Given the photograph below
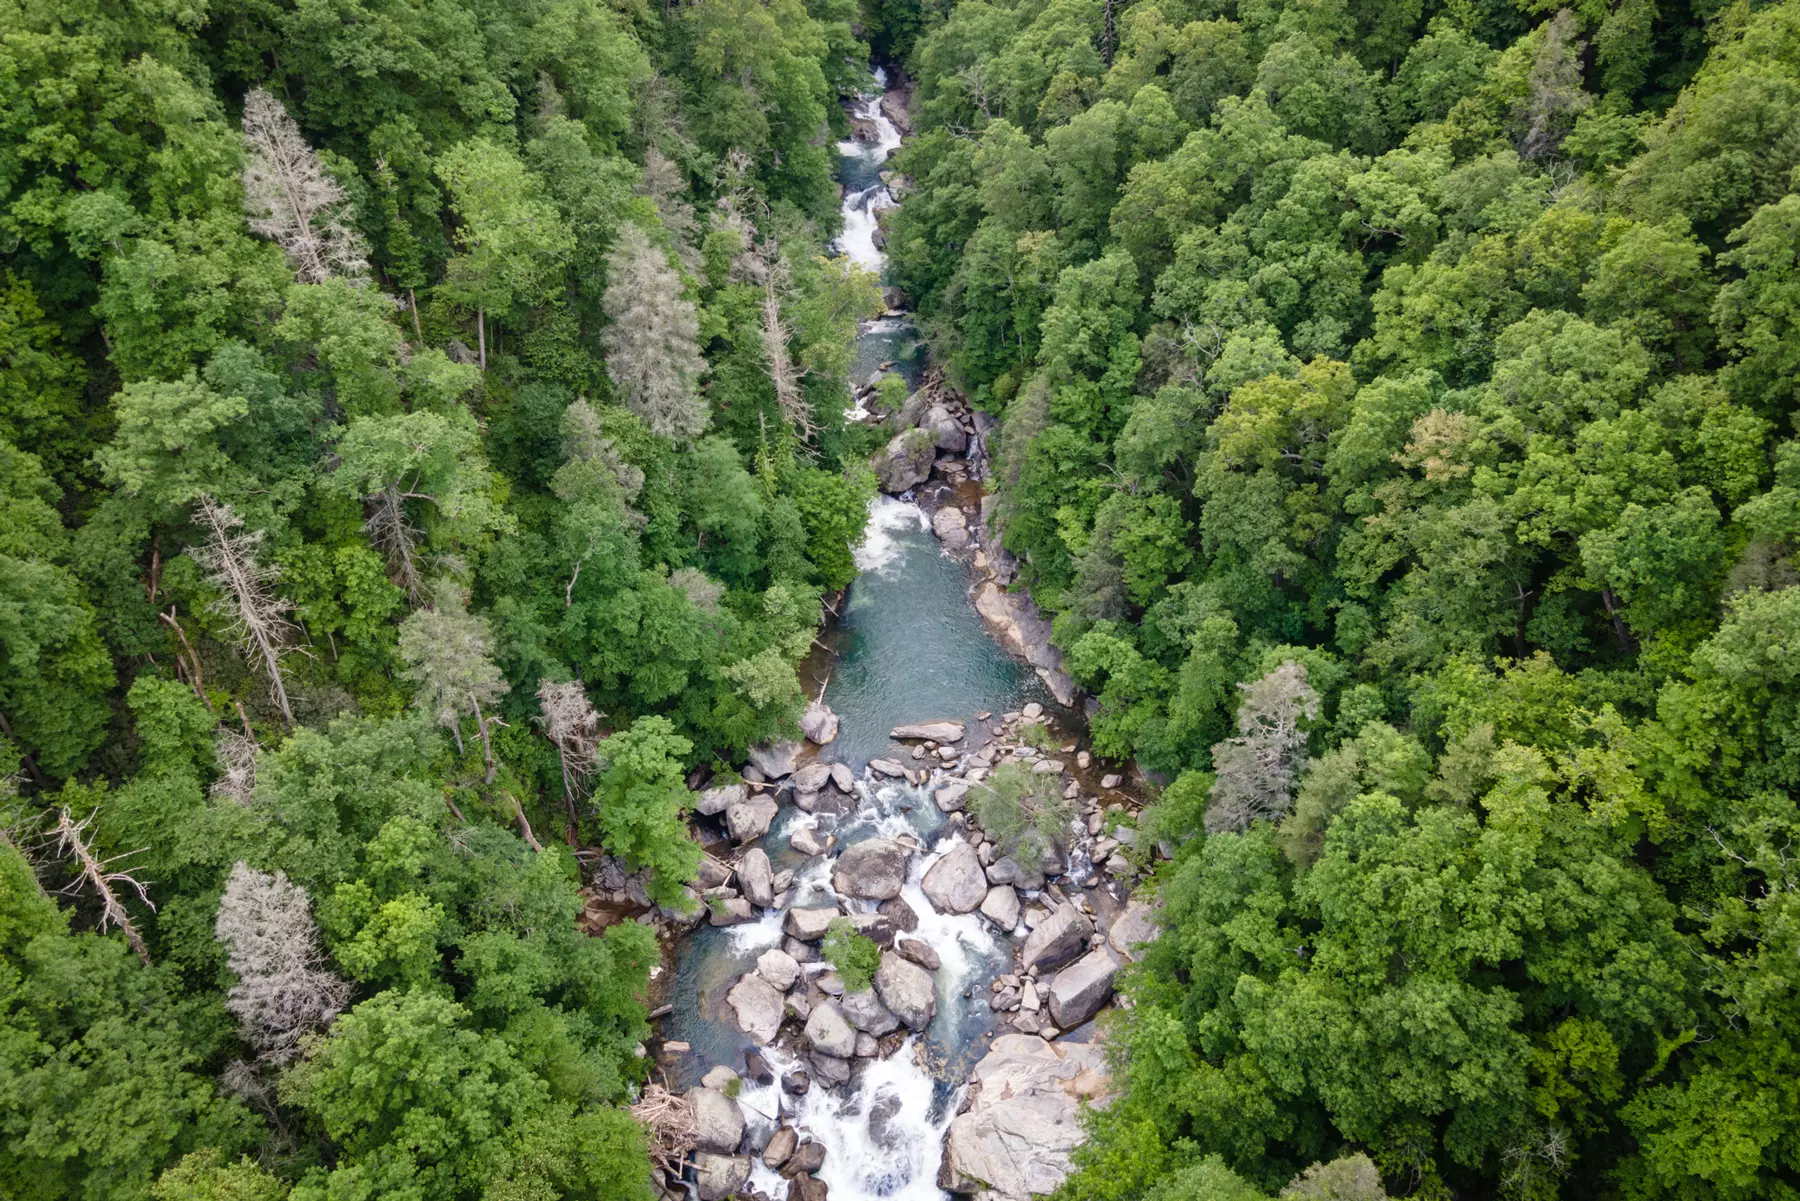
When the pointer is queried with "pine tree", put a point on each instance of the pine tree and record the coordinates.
(651, 352)
(1254, 773)
(285, 990)
(293, 201)
(247, 590)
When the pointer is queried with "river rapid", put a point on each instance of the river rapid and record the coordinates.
(905, 646)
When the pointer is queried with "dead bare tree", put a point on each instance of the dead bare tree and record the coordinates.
(396, 538)
(783, 374)
(449, 656)
(236, 754)
(1254, 773)
(293, 201)
(247, 590)
(101, 878)
(1554, 95)
(285, 989)
(573, 727)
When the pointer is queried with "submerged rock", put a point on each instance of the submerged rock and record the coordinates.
(1024, 1118)
(874, 869)
(956, 883)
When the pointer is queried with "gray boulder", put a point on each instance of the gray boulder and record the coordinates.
(919, 952)
(1080, 989)
(956, 883)
(843, 777)
(887, 767)
(950, 797)
(808, 924)
(778, 968)
(907, 990)
(931, 731)
(730, 911)
(718, 1122)
(718, 800)
(775, 759)
(781, 1145)
(946, 431)
(1134, 927)
(807, 841)
(819, 724)
(812, 777)
(865, 1011)
(1056, 940)
(749, 819)
(829, 1032)
(756, 878)
(950, 527)
(873, 869)
(719, 1176)
(756, 1007)
(1001, 906)
(906, 460)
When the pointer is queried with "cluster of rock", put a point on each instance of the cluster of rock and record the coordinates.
(721, 1134)
(935, 432)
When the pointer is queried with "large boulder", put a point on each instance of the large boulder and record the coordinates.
(949, 526)
(775, 759)
(907, 990)
(718, 800)
(1001, 906)
(830, 1032)
(718, 1122)
(1080, 989)
(874, 869)
(956, 883)
(812, 777)
(719, 1176)
(778, 968)
(931, 731)
(809, 924)
(749, 819)
(731, 911)
(906, 461)
(781, 1145)
(819, 724)
(1023, 1119)
(756, 1007)
(865, 1011)
(1056, 940)
(756, 878)
(946, 431)
(1131, 929)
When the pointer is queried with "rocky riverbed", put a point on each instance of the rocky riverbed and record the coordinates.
(962, 1064)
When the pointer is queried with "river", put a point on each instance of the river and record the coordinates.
(906, 646)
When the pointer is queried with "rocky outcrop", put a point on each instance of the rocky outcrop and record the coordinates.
(956, 883)
(930, 731)
(1131, 929)
(1080, 989)
(756, 1007)
(873, 869)
(906, 461)
(1016, 621)
(1024, 1119)
(1055, 940)
(907, 990)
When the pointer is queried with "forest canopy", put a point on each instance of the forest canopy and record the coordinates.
(399, 502)
(1399, 419)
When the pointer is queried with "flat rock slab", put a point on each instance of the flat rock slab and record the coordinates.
(930, 731)
(1080, 989)
(1015, 1138)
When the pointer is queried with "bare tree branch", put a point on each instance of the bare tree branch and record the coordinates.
(101, 878)
(293, 201)
(247, 590)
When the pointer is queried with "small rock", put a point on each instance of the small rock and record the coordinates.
(1032, 712)
(718, 1076)
(1083, 760)
(1047, 767)
(806, 840)
(1028, 996)
(807, 1187)
(1111, 781)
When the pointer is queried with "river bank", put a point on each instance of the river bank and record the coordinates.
(961, 1065)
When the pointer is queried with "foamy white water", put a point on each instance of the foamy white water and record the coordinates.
(862, 208)
(879, 550)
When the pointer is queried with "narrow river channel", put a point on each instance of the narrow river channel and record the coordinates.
(906, 646)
